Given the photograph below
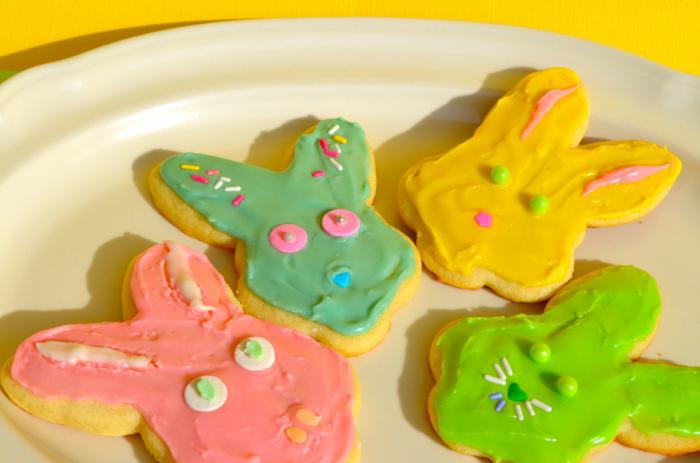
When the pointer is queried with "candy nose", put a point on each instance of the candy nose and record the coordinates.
(341, 278)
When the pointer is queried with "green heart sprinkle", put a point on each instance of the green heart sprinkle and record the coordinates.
(516, 394)
(205, 389)
(567, 386)
(500, 175)
(253, 349)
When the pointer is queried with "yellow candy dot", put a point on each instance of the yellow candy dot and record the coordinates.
(296, 435)
(308, 417)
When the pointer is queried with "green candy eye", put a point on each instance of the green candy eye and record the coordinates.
(205, 389)
(500, 175)
(567, 386)
(253, 348)
(516, 393)
(539, 204)
(540, 352)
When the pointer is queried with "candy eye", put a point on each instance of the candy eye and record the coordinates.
(340, 223)
(341, 277)
(206, 393)
(255, 354)
(288, 238)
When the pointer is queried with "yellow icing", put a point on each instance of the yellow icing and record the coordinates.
(442, 195)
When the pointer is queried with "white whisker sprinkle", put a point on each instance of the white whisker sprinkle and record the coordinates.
(491, 379)
(519, 412)
(337, 148)
(333, 129)
(218, 184)
(541, 405)
(224, 179)
(530, 410)
(232, 188)
(506, 365)
(499, 370)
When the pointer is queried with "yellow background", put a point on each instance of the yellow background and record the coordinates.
(34, 32)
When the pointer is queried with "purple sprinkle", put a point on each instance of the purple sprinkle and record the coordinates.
(500, 405)
(496, 396)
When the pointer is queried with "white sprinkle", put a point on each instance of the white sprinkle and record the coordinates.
(224, 179)
(232, 188)
(519, 412)
(499, 370)
(335, 163)
(541, 405)
(493, 380)
(218, 184)
(333, 129)
(530, 410)
(337, 148)
(506, 365)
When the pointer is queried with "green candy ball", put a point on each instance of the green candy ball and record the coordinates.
(540, 352)
(500, 175)
(253, 349)
(567, 386)
(539, 204)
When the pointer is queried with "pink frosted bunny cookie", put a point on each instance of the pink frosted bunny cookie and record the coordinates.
(199, 380)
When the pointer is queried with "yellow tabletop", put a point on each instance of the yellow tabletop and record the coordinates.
(38, 31)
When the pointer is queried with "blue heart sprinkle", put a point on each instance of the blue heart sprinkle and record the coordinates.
(342, 279)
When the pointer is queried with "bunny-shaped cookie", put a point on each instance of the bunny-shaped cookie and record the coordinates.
(199, 380)
(552, 388)
(314, 254)
(507, 208)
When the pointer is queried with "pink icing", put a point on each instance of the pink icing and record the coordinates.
(619, 176)
(288, 238)
(483, 219)
(348, 225)
(183, 344)
(542, 107)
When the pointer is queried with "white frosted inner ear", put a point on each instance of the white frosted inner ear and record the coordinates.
(71, 352)
(180, 275)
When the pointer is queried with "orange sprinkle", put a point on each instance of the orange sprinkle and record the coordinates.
(308, 417)
(296, 435)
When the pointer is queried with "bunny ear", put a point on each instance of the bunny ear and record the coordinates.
(172, 281)
(334, 160)
(623, 180)
(548, 107)
(666, 399)
(621, 303)
(233, 196)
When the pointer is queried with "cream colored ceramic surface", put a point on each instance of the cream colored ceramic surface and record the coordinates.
(77, 138)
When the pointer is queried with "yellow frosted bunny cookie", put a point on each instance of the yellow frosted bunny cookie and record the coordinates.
(507, 208)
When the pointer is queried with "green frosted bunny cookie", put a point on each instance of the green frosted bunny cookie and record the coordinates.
(551, 388)
(311, 252)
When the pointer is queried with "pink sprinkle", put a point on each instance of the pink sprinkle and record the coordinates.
(483, 219)
(238, 200)
(318, 173)
(542, 107)
(622, 175)
(200, 179)
(323, 143)
(212, 171)
(333, 154)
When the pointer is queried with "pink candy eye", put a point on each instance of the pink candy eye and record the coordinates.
(288, 238)
(340, 223)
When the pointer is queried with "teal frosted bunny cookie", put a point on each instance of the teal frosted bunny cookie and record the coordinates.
(551, 388)
(313, 254)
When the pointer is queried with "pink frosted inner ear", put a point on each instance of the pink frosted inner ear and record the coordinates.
(622, 175)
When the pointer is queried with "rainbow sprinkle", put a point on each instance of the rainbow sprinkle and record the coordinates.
(333, 129)
(318, 173)
(232, 188)
(340, 139)
(336, 164)
(200, 179)
(212, 171)
(238, 200)
(189, 167)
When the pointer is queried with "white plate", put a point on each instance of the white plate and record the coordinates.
(77, 138)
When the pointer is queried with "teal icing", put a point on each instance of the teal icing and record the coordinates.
(379, 258)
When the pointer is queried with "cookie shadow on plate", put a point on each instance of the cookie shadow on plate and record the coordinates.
(435, 134)
(104, 279)
(270, 147)
(142, 166)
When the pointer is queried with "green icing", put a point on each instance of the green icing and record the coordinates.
(591, 327)
(379, 257)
